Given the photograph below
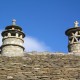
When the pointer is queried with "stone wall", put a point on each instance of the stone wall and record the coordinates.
(74, 47)
(13, 40)
(12, 51)
(12, 46)
(40, 67)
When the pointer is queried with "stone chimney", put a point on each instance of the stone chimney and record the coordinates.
(12, 41)
(74, 38)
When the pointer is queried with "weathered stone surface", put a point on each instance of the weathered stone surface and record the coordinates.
(13, 40)
(12, 51)
(12, 46)
(74, 47)
(40, 67)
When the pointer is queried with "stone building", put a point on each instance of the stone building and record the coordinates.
(12, 42)
(15, 65)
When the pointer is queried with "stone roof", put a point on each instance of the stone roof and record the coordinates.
(40, 67)
(13, 26)
(67, 32)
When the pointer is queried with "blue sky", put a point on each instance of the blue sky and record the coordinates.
(43, 21)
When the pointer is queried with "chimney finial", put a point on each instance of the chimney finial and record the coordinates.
(13, 22)
(76, 24)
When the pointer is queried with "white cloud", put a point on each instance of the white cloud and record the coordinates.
(32, 44)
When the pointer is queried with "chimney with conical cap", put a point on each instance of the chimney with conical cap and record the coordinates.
(12, 41)
(74, 38)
